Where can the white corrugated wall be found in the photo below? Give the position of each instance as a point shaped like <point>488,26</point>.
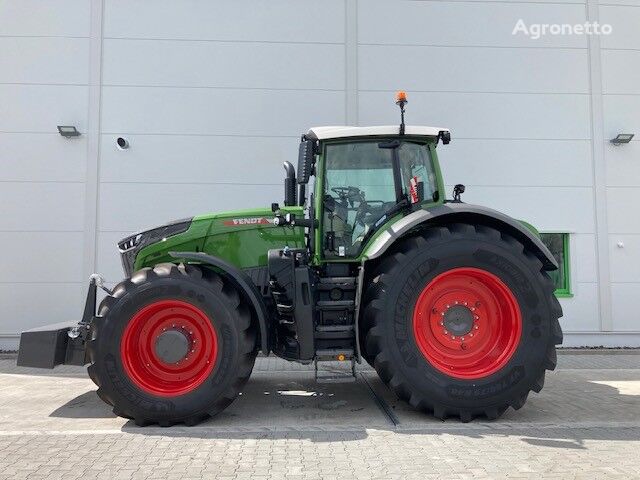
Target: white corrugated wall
<point>212,97</point>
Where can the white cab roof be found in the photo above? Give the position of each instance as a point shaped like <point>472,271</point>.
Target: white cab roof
<point>325,133</point>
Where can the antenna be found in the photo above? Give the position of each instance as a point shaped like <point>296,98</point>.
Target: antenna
<point>401,101</point>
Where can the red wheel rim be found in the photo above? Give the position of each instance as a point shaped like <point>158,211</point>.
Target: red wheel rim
<point>484,314</point>
<point>147,369</point>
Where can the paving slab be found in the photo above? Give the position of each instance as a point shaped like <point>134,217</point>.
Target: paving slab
<point>570,397</point>
<point>584,424</point>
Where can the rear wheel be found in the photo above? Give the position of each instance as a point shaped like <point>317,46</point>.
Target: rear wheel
<point>462,321</point>
<point>174,344</point>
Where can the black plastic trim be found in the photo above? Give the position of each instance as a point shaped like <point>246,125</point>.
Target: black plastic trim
<point>463,212</point>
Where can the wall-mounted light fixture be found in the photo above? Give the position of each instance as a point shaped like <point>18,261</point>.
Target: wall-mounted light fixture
<point>622,138</point>
<point>68,131</point>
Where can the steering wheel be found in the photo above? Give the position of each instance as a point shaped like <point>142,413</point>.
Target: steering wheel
<point>348,192</point>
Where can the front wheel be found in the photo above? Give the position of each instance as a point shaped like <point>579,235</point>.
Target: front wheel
<point>173,344</point>
<point>462,321</point>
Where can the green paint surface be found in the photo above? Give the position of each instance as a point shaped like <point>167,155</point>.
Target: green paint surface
<point>241,237</point>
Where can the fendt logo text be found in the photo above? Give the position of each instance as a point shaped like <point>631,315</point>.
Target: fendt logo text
<point>236,222</point>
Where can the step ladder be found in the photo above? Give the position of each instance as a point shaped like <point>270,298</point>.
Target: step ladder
<point>340,366</point>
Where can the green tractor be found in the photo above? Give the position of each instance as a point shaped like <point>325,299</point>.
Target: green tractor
<point>451,303</point>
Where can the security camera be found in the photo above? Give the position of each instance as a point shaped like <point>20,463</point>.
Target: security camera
<point>122,143</point>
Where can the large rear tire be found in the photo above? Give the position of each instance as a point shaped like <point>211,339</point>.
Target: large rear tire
<point>174,344</point>
<point>462,321</point>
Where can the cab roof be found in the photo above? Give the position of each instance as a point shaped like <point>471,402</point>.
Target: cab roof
<point>327,133</point>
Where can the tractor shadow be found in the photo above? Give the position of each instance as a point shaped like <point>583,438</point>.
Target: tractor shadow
<point>84,406</point>
<point>576,406</point>
<point>8,366</point>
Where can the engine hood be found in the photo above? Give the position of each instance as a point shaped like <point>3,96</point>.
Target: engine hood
<point>241,237</point>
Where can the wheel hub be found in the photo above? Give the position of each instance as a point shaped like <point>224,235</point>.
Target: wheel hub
<point>172,346</point>
<point>458,320</point>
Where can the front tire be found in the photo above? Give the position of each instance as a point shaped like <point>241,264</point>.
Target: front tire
<point>174,344</point>
<point>462,321</point>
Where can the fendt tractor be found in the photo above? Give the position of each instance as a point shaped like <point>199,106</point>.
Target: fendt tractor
<point>451,303</point>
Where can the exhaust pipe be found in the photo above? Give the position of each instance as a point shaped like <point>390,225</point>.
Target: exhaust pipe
<point>289,185</point>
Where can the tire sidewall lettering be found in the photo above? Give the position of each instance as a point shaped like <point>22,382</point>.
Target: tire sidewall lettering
<point>116,376</point>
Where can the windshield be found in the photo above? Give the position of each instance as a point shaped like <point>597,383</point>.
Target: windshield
<point>359,189</point>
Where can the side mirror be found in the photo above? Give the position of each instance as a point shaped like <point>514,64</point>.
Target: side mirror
<point>305,160</point>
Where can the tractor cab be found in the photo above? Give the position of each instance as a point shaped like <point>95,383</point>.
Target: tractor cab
<point>362,178</point>
<point>367,175</point>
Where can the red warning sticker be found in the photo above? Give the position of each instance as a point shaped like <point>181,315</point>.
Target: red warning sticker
<point>240,222</point>
<point>413,189</point>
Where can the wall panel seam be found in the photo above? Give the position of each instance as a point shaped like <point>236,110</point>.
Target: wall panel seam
<point>93,138</point>
<point>470,45</point>
<point>599,173</point>
<point>212,40</point>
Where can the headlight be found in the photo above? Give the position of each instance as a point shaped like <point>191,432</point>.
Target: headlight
<point>131,245</point>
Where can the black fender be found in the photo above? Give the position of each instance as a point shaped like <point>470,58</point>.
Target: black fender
<point>242,282</point>
<point>461,212</point>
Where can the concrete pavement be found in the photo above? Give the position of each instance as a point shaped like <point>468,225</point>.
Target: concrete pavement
<point>584,424</point>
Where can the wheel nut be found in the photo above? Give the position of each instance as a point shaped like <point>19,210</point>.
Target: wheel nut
<point>478,304</point>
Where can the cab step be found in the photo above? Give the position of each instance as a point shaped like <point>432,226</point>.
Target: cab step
<point>335,305</point>
<point>331,332</point>
<point>339,371</point>
<point>342,283</point>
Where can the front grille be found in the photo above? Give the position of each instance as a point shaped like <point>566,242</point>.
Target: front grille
<point>129,242</point>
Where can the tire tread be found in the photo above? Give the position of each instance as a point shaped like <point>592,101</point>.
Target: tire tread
<point>248,336</point>
<point>373,320</point>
